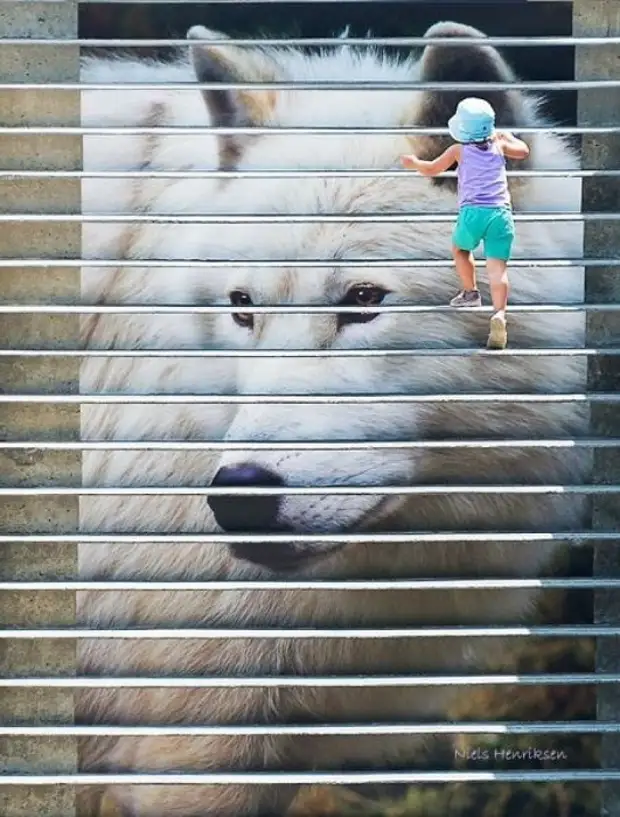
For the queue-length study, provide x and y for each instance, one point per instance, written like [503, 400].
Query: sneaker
[498, 336]
[467, 297]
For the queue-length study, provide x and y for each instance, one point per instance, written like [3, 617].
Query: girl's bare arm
[438, 165]
[512, 147]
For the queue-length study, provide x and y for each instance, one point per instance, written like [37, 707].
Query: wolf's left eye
[361, 295]
[239, 298]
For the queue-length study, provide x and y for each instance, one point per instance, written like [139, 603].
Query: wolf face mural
[253, 425]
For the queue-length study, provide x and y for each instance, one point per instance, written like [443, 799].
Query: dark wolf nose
[245, 513]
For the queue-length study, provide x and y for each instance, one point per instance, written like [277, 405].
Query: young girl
[485, 212]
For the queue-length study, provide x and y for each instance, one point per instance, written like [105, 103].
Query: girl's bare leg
[466, 270]
[499, 285]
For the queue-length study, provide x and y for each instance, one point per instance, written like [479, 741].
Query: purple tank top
[482, 178]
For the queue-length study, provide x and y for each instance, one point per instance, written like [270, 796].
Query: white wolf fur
[184, 285]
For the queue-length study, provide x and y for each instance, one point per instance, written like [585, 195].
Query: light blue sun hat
[474, 121]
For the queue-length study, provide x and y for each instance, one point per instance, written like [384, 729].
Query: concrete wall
[25, 18]
[602, 18]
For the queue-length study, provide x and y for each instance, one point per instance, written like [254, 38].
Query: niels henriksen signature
[482, 754]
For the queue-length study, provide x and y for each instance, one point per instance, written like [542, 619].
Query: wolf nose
[245, 513]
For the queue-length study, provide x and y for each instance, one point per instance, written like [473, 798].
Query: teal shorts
[492, 225]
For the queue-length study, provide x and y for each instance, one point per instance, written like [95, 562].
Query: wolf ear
[230, 108]
[464, 63]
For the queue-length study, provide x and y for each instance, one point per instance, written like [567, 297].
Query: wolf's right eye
[361, 295]
[240, 298]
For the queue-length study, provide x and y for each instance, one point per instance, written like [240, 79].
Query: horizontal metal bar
[261, 2]
[303, 633]
[413, 537]
[317, 85]
[265, 2]
[253, 730]
[278, 218]
[303, 263]
[307, 778]
[275, 130]
[142, 309]
[307, 399]
[322, 490]
[310, 309]
[410, 537]
[317, 42]
[309, 353]
[279, 445]
[393, 173]
[349, 585]
[317, 681]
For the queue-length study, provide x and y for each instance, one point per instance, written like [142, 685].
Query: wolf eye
[361, 295]
[239, 298]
